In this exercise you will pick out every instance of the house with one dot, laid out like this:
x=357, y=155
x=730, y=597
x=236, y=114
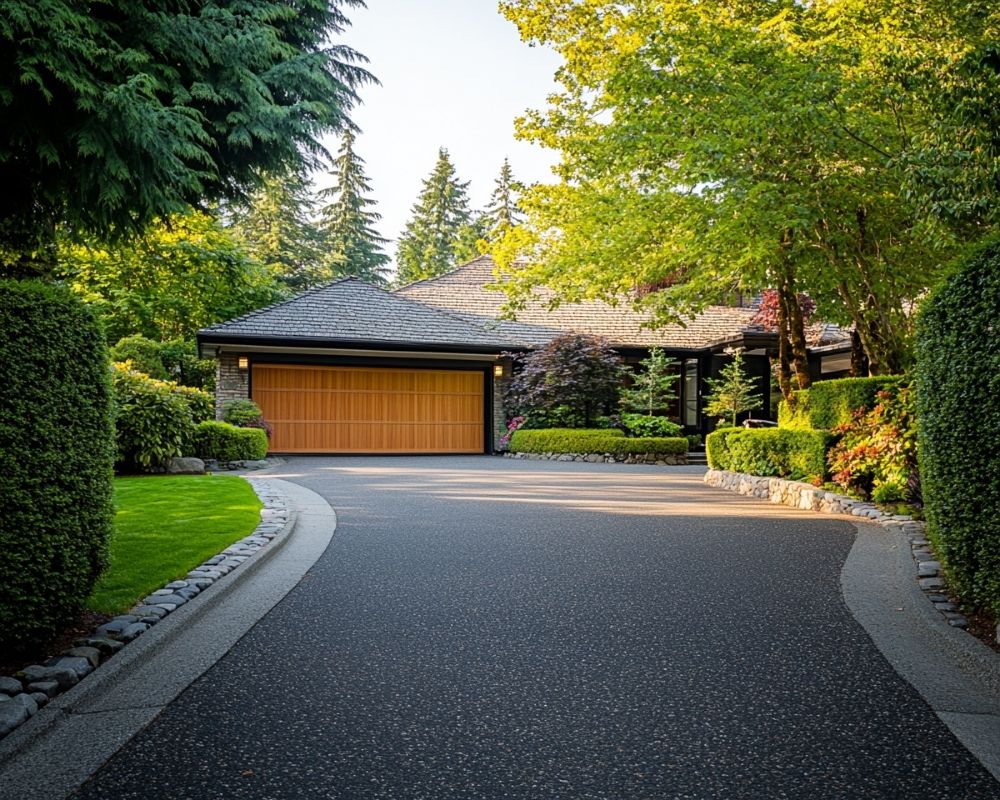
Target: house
x=351, y=368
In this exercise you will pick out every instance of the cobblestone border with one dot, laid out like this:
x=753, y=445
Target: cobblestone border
x=657, y=459
x=22, y=694
x=808, y=497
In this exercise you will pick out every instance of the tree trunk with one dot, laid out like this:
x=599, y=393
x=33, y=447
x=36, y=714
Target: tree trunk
x=859, y=367
x=798, y=354
x=784, y=352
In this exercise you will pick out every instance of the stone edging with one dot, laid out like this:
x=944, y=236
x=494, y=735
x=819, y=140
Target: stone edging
x=24, y=693
x=658, y=459
x=810, y=498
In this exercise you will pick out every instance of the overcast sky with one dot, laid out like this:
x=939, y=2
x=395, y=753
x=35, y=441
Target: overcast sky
x=454, y=74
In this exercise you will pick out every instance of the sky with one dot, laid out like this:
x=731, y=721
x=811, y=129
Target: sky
x=454, y=74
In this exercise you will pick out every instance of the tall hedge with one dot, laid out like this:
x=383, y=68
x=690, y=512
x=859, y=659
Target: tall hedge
x=56, y=455
x=958, y=405
x=828, y=404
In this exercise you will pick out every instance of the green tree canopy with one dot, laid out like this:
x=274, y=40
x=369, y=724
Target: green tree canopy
x=119, y=112
x=427, y=248
x=183, y=274
x=347, y=222
x=717, y=146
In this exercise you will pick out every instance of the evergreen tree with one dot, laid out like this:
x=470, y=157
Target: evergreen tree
x=427, y=247
x=652, y=389
x=353, y=245
x=471, y=240
x=117, y=113
x=503, y=211
x=732, y=392
x=277, y=230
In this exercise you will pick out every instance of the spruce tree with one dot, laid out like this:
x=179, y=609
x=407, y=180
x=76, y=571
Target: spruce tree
x=353, y=245
x=117, y=113
x=503, y=212
x=732, y=392
x=427, y=247
x=277, y=229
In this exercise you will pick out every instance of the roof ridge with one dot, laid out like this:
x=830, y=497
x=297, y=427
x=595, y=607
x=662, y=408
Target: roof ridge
x=452, y=271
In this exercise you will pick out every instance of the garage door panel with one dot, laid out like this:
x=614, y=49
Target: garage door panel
x=371, y=410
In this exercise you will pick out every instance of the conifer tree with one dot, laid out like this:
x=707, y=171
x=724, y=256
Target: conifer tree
x=353, y=245
x=277, y=229
x=652, y=388
x=427, y=247
x=503, y=212
x=732, y=392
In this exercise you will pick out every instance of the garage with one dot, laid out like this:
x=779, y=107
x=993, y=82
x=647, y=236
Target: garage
x=340, y=409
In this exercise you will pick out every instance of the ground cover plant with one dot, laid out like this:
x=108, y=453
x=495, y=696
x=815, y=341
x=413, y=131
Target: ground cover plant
x=166, y=525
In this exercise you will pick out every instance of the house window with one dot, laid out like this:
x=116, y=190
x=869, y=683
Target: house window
x=691, y=392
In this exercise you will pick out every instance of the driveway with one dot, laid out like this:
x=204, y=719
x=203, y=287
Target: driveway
x=487, y=628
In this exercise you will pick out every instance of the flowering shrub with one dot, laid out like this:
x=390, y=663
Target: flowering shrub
x=877, y=452
x=512, y=426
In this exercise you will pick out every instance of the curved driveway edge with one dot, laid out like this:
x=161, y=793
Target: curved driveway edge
x=955, y=673
x=58, y=748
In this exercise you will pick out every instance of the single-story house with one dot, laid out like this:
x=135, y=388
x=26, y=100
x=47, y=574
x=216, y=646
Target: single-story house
x=351, y=368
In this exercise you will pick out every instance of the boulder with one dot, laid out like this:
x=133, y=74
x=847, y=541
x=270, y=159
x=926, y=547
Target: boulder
x=185, y=466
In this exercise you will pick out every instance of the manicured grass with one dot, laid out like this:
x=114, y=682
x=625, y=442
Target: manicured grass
x=167, y=524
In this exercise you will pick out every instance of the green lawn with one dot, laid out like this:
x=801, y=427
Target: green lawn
x=167, y=524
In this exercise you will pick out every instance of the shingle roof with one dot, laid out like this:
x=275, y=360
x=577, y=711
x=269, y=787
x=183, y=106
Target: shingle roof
x=465, y=291
x=353, y=311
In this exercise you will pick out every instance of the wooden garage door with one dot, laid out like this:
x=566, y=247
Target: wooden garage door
x=370, y=410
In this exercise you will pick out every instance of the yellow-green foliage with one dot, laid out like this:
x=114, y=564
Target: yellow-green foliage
x=829, y=404
x=592, y=440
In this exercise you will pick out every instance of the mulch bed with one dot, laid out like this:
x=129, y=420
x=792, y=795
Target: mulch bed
x=984, y=627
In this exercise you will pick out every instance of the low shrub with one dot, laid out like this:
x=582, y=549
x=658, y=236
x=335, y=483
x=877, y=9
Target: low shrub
x=56, y=455
x=777, y=452
x=829, y=404
x=958, y=404
x=153, y=421
x=245, y=414
x=693, y=440
x=716, y=449
x=878, y=448
x=143, y=353
x=593, y=440
x=220, y=441
x=646, y=425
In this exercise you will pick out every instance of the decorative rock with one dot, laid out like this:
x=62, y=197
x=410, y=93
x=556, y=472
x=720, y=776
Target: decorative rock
x=12, y=714
x=185, y=466
x=47, y=688
x=92, y=654
x=107, y=646
x=142, y=612
x=39, y=698
x=926, y=569
x=134, y=631
x=930, y=583
x=9, y=686
x=113, y=629
x=66, y=678
x=174, y=585
x=172, y=598
x=942, y=607
x=81, y=666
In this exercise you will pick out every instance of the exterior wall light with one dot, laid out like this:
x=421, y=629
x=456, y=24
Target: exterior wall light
x=243, y=362
x=498, y=370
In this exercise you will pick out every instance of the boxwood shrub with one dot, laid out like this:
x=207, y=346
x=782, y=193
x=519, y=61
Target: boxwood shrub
x=958, y=405
x=223, y=442
x=592, y=440
x=776, y=452
x=829, y=404
x=56, y=456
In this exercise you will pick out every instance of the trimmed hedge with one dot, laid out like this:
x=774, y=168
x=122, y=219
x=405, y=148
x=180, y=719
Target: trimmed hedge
x=592, y=440
x=223, y=442
x=829, y=404
x=645, y=425
x=56, y=456
x=958, y=405
x=775, y=452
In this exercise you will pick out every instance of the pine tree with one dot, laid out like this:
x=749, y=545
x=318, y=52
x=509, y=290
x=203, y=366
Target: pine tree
x=354, y=246
x=652, y=389
x=277, y=229
x=503, y=212
x=733, y=392
x=427, y=247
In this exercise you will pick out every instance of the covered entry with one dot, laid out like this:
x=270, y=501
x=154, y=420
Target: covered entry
x=319, y=409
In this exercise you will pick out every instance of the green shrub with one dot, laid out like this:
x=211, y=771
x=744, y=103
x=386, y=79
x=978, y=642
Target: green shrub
x=829, y=404
x=56, y=455
x=153, y=421
x=645, y=425
x=958, y=405
x=591, y=440
x=245, y=414
x=143, y=353
x=200, y=403
x=716, y=449
x=693, y=440
x=223, y=442
x=777, y=452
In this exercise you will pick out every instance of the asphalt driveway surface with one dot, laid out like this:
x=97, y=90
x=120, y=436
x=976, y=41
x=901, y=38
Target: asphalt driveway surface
x=488, y=628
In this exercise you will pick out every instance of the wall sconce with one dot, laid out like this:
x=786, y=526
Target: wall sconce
x=498, y=370
x=243, y=362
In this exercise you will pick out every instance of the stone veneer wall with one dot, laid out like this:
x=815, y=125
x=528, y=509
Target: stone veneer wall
x=231, y=382
x=499, y=412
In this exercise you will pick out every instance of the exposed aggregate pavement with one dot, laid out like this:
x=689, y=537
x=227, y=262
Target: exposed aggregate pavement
x=496, y=629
